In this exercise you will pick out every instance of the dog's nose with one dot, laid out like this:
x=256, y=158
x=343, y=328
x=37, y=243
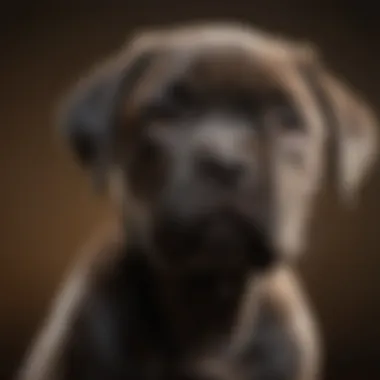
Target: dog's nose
x=224, y=172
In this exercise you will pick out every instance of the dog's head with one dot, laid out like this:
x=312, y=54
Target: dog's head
x=219, y=136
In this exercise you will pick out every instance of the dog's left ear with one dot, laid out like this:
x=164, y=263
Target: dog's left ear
x=89, y=114
x=351, y=129
x=357, y=136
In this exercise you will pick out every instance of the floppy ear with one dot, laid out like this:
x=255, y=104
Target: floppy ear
x=357, y=136
x=89, y=115
x=351, y=130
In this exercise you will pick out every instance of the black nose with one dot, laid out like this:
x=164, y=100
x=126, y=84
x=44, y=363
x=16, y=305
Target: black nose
x=224, y=172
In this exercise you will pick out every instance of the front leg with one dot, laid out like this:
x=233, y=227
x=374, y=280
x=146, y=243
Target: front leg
x=272, y=353
x=119, y=333
x=285, y=342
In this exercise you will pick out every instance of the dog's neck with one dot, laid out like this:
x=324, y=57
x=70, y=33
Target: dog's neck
x=200, y=306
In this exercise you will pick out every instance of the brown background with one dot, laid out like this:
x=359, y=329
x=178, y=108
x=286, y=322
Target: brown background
x=48, y=210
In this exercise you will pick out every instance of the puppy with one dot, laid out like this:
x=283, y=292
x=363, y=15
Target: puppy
x=215, y=140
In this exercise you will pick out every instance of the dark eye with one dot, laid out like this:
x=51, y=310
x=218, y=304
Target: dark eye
x=246, y=102
x=160, y=110
x=181, y=94
x=285, y=117
x=280, y=113
x=175, y=101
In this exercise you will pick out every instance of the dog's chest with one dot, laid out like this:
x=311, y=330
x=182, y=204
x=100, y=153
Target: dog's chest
x=200, y=309
x=136, y=328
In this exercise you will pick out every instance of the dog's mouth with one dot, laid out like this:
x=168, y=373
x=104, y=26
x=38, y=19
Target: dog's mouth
x=219, y=239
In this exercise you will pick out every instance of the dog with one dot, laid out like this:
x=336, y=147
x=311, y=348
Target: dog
x=214, y=139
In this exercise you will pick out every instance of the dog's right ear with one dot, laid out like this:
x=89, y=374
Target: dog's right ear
x=89, y=114
x=352, y=129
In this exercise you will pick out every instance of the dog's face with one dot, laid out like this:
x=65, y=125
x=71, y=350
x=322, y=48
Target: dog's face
x=219, y=136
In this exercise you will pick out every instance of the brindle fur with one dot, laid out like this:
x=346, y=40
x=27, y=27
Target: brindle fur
x=142, y=308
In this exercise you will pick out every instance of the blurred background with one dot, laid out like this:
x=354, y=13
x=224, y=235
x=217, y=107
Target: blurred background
x=47, y=206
